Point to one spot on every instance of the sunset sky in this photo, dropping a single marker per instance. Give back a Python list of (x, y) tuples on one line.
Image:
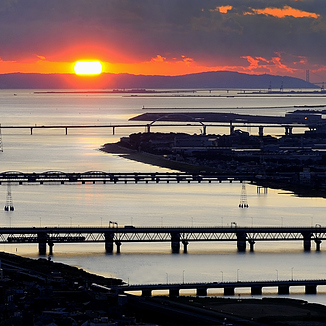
[(165, 37)]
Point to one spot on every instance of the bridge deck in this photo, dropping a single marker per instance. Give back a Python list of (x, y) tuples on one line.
[(115, 235)]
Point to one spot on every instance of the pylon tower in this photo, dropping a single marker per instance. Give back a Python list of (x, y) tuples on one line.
[(243, 197), (9, 204)]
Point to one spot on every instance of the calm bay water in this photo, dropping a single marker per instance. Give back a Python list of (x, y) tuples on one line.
[(147, 204)]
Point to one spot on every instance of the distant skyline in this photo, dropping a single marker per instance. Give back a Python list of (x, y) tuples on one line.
[(165, 37)]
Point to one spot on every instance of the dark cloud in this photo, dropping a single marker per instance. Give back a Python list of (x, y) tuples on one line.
[(142, 29)]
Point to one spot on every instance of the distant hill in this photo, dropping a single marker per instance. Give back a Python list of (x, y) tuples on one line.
[(208, 80)]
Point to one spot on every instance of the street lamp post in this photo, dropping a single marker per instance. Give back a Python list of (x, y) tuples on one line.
[(276, 274), (292, 268), (222, 276), (238, 274)]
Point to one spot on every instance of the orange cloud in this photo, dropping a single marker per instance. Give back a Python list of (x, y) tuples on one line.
[(283, 12), (273, 66), (222, 9)]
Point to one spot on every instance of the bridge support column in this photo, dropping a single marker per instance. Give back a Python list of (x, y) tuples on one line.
[(148, 128), (311, 289), (202, 292), (146, 293), (118, 244), (228, 291), (51, 244), (185, 246), (231, 128), (173, 292), (241, 241), (318, 243), (41, 238), (306, 241), (256, 290), (251, 243), (113, 130), (109, 242), (261, 131), (66, 131), (175, 243), (283, 289)]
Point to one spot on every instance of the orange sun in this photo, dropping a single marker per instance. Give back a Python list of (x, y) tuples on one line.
[(88, 68)]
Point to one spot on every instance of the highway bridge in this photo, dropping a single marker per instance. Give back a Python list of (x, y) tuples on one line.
[(256, 287), (49, 177), (115, 235), (288, 126)]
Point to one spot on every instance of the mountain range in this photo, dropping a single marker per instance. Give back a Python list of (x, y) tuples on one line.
[(206, 80)]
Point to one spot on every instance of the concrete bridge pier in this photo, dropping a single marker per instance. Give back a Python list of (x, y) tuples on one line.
[(251, 243), (201, 292), (173, 292), (231, 128), (318, 243), (288, 130), (51, 244), (175, 242), (261, 131), (118, 244), (146, 293), (185, 246), (42, 239), (306, 241), (229, 291), (109, 242), (283, 289), (256, 290), (241, 241), (311, 289)]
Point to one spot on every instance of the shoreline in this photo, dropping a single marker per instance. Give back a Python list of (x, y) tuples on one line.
[(156, 160)]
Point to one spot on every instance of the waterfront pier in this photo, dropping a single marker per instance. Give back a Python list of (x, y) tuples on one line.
[(114, 236)]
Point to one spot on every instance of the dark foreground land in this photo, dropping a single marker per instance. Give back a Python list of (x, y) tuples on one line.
[(41, 292)]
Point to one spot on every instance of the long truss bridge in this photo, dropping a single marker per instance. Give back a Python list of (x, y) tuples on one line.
[(115, 235), (118, 177)]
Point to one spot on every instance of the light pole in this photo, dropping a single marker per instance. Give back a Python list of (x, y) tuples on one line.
[(292, 268), (222, 276), (167, 278), (276, 274), (183, 276), (238, 275)]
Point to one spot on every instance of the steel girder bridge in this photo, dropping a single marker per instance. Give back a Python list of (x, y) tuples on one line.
[(115, 235), (55, 177)]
